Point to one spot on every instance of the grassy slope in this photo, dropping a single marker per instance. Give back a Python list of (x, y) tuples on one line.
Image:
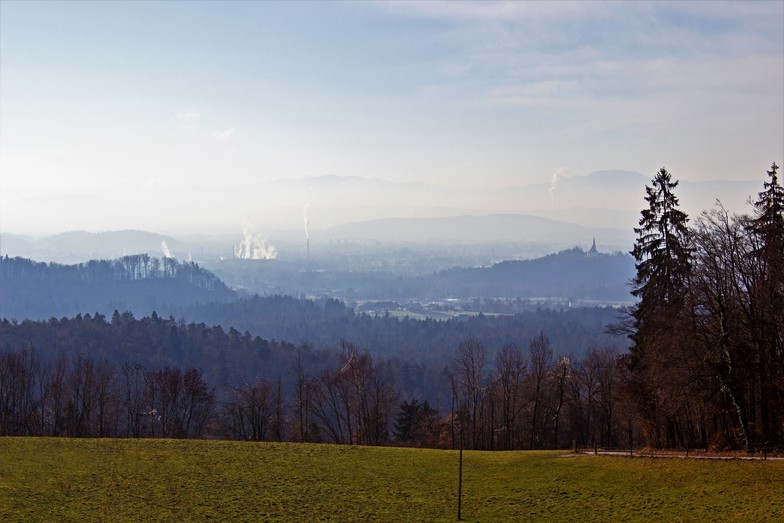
[(116, 480)]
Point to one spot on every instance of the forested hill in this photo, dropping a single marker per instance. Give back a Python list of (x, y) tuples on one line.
[(325, 323), (140, 283), (417, 350), (572, 273), (94, 376), (153, 342)]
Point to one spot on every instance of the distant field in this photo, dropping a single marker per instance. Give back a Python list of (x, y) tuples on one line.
[(153, 480)]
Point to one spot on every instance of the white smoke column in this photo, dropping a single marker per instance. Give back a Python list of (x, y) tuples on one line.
[(246, 246), (307, 231), (264, 251), (555, 180), (307, 220), (254, 247), (166, 251)]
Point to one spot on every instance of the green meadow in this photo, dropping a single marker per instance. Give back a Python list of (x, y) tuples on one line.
[(44, 479)]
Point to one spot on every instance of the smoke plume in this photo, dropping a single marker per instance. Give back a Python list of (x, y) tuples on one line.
[(555, 181), (307, 221), (166, 251), (254, 247)]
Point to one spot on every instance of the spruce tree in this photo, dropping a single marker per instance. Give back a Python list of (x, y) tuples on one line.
[(768, 225), (658, 361), (765, 318), (770, 204), (661, 250)]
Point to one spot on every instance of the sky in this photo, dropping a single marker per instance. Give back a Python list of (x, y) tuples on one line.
[(101, 102)]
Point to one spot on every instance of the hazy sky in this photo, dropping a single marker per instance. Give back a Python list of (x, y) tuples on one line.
[(111, 98)]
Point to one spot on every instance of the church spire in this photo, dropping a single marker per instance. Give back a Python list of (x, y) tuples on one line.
[(593, 247)]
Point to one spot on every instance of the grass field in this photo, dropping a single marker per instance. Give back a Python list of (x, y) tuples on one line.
[(152, 480)]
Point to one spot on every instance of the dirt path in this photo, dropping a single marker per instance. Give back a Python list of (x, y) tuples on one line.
[(644, 453)]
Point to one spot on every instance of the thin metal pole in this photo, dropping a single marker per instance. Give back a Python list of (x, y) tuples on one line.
[(460, 477)]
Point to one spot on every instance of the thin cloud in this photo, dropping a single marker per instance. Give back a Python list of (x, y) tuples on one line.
[(614, 67), (223, 135), (494, 11), (189, 117), (192, 121), (502, 45)]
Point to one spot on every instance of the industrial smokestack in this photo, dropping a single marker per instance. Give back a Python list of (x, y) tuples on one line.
[(307, 232)]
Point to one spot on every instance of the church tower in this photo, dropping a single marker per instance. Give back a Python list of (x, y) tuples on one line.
[(593, 251)]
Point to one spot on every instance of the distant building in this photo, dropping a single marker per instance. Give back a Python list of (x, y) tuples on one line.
[(593, 251)]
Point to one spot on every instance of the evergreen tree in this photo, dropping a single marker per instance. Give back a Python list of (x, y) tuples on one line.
[(417, 424), (406, 420), (769, 221), (768, 227), (661, 249), (765, 284), (658, 361)]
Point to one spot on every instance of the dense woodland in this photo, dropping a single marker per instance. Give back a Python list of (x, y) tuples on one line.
[(325, 323), (707, 355), (314, 392), (85, 377), (705, 367)]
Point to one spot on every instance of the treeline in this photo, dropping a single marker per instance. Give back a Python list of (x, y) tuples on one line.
[(322, 325), (707, 355), (534, 399), (155, 342), (229, 357), (34, 290), (522, 400), (79, 396), (326, 322)]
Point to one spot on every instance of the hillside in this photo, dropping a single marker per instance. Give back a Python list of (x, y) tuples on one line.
[(572, 273), (33, 290)]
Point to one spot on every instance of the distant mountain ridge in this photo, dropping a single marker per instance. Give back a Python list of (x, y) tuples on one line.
[(78, 246), (75, 246), (332, 200), (475, 229)]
